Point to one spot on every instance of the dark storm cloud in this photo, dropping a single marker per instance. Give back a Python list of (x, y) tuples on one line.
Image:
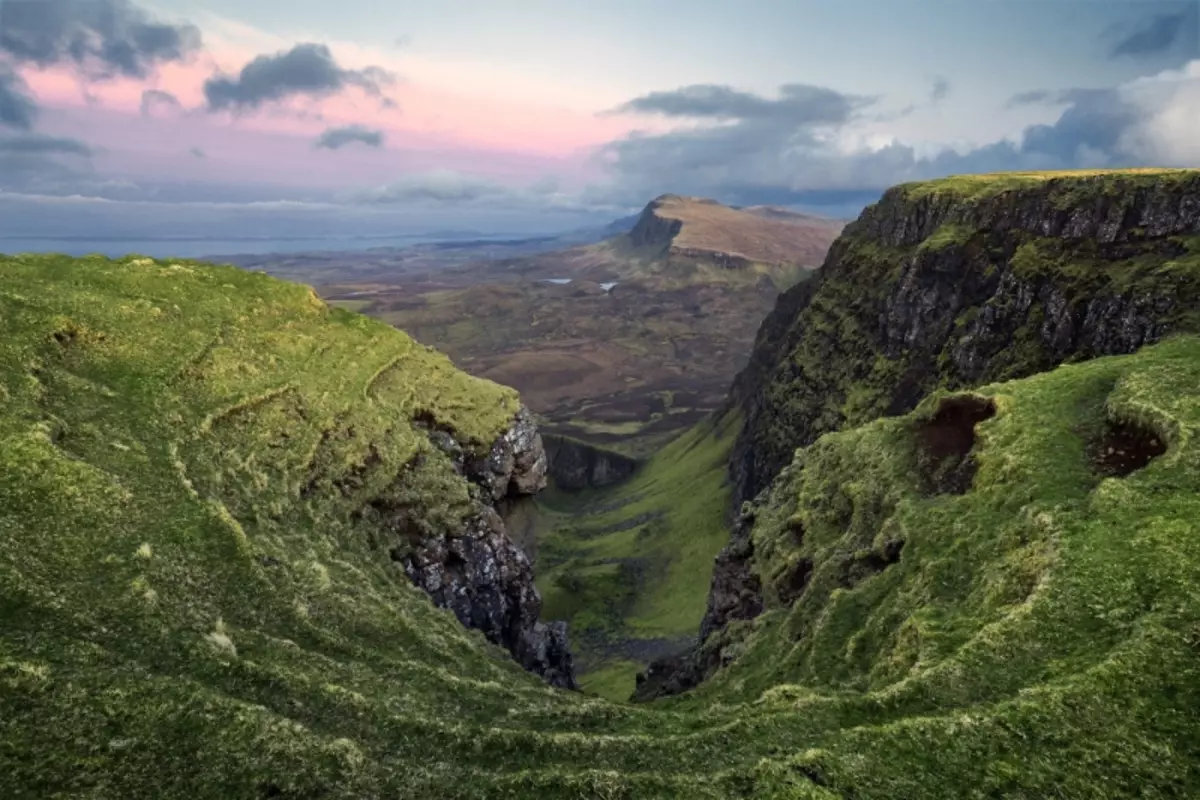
[(307, 68), (17, 110), (1158, 35), (797, 104), (333, 138), (102, 37), (155, 98)]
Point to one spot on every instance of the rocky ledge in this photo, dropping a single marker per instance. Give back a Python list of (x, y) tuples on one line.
[(479, 573)]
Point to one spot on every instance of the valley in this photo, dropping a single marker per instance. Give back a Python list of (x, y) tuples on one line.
[(622, 342), (923, 528)]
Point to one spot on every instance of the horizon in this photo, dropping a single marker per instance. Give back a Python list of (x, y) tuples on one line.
[(173, 120)]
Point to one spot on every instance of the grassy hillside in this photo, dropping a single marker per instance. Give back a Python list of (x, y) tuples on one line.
[(1029, 627), (628, 566), (191, 607), (966, 280)]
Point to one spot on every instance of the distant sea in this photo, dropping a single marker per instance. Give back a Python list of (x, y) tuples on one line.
[(201, 248)]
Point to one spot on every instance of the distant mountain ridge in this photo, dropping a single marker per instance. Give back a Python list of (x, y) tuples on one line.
[(695, 227)]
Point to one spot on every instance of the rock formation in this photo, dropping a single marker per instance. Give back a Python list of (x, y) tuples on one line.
[(951, 287), (577, 465), (480, 573)]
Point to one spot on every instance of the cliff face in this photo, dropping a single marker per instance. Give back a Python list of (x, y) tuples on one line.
[(654, 230), (952, 284), (936, 287), (479, 573), (577, 465)]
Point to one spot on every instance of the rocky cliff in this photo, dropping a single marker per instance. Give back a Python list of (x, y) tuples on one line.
[(951, 284), (479, 572), (576, 465)]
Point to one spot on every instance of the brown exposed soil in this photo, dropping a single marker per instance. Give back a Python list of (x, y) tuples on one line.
[(1125, 447), (945, 443)]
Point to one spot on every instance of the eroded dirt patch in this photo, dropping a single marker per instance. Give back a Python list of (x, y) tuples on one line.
[(1125, 447), (945, 443)]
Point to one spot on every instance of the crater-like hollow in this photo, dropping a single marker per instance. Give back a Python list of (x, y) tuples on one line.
[(1125, 447), (946, 440)]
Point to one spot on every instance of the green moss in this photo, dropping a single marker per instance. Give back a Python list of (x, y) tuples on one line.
[(613, 681), (948, 235), (1073, 183), (634, 561), (195, 604)]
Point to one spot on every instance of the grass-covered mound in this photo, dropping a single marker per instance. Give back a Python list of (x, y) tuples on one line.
[(190, 605), (1004, 584)]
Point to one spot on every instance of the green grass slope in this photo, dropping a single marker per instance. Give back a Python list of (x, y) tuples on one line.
[(190, 605), (629, 566), (1040, 632)]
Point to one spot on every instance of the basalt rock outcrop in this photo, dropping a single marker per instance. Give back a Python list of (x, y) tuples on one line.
[(953, 284), (479, 573)]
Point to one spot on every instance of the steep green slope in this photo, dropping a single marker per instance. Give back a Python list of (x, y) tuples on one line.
[(186, 612), (965, 280), (1003, 584), (628, 566)]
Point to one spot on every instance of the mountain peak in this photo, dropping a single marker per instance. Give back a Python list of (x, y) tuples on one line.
[(679, 225)]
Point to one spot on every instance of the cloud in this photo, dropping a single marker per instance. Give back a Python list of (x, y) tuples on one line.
[(451, 189), (439, 186), (40, 163), (17, 110), (1156, 35), (41, 144), (797, 104), (334, 138), (104, 38), (745, 155), (1035, 97), (306, 69), (198, 153), (153, 99), (941, 88)]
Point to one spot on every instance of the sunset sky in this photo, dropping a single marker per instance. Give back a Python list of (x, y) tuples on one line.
[(306, 117)]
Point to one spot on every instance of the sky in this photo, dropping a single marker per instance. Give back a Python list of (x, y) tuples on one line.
[(289, 118)]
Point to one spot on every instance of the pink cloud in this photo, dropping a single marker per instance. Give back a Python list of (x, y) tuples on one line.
[(427, 116)]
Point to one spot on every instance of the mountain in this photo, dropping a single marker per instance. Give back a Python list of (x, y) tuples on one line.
[(947, 285), (252, 546), (678, 228)]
